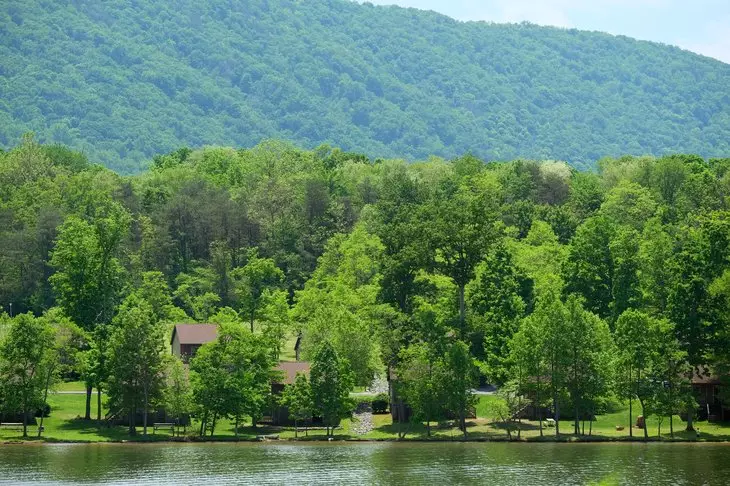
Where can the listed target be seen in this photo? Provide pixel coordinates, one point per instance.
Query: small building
(188, 338)
(288, 371)
(707, 388)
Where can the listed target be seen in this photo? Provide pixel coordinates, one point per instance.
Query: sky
(702, 26)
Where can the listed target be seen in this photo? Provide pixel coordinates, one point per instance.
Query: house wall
(176, 346)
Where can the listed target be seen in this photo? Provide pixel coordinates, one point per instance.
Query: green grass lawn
(65, 424)
(67, 386)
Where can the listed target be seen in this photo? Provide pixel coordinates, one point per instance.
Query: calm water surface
(372, 463)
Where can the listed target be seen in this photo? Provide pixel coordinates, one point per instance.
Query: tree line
(569, 288)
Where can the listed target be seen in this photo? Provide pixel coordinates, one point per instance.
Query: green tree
(529, 363)
(88, 276)
(589, 351)
(419, 386)
(463, 227)
(231, 376)
(626, 288)
(178, 394)
(588, 270)
(136, 361)
(457, 379)
(331, 382)
(550, 321)
(26, 362)
(639, 339)
(297, 397)
(251, 280)
(496, 306)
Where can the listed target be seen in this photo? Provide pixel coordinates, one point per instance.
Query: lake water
(366, 463)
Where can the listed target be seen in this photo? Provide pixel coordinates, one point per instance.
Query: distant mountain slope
(125, 79)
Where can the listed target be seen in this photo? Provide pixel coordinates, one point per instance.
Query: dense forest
(613, 283)
(123, 81)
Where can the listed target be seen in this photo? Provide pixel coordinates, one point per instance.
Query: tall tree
(496, 305)
(589, 270)
(297, 397)
(136, 361)
(457, 378)
(420, 388)
(88, 275)
(251, 280)
(26, 359)
(463, 227)
(177, 394)
(331, 382)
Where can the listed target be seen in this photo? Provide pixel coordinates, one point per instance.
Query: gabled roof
(290, 370)
(704, 376)
(194, 333)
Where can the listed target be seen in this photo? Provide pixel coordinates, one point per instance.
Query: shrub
(380, 403)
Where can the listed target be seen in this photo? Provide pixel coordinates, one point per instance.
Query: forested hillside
(128, 79)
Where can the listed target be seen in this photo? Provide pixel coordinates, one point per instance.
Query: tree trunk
(690, 411)
(539, 407)
(646, 426)
(690, 418)
(631, 406)
(556, 409)
(671, 411)
(253, 312)
(576, 420)
(45, 400)
(590, 424)
(25, 420)
(463, 421)
(144, 413)
(296, 429)
(236, 428)
(87, 415)
(203, 420)
(462, 311)
(212, 424)
(98, 404)
(132, 429)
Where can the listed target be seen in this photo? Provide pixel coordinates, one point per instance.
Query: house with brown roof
(187, 338)
(287, 371)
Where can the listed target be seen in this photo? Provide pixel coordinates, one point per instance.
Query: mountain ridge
(129, 79)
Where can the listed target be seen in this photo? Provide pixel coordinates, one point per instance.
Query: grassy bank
(66, 425)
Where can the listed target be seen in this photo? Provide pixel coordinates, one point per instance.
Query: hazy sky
(702, 26)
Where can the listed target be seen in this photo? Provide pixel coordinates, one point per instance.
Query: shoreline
(320, 441)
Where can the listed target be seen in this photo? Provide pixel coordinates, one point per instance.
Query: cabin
(707, 390)
(188, 338)
(287, 371)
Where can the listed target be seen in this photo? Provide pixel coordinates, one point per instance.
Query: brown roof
(704, 376)
(290, 370)
(195, 333)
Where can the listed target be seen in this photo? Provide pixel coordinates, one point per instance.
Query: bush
(44, 411)
(380, 403)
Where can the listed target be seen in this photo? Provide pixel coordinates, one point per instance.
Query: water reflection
(372, 463)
